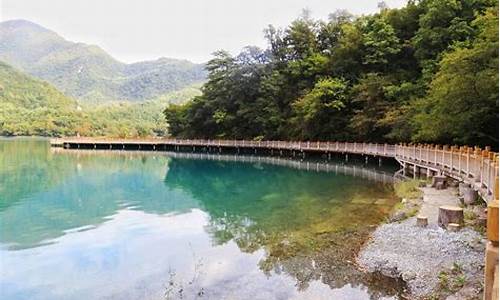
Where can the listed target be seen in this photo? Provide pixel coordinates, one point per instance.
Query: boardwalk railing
(337, 168)
(473, 165)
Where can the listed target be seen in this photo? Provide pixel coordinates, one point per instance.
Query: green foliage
(32, 107)
(380, 42)
(462, 103)
(427, 72)
(88, 73)
(314, 110)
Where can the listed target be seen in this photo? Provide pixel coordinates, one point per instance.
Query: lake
(85, 224)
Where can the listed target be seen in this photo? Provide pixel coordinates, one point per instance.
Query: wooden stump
(439, 182)
(440, 186)
(462, 186)
(454, 227)
(470, 196)
(422, 221)
(450, 214)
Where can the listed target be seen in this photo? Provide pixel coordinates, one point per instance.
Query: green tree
(319, 112)
(462, 103)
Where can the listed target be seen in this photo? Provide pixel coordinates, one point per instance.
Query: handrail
(475, 165)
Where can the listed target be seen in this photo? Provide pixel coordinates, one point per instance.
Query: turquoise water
(130, 225)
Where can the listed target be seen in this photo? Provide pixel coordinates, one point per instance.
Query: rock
(398, 216)
(450, 214)
(422, 221)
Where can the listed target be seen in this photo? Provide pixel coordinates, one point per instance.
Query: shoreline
(433, 262)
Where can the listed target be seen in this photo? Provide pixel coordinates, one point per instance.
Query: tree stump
(439, 182)
(422, 221)
(440, 186)
(462, 186)
(454, 227)
(470, 196)
(450, 214)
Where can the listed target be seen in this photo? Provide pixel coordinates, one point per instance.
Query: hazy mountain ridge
(87, 72)
(30, 106)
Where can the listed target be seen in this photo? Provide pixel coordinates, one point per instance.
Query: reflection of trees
(27, 162)
(51, 193)
(311, 225)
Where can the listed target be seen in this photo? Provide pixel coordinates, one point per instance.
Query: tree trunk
(450, 214)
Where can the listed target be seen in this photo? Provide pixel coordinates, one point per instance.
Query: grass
(408, 189)
(471, 219)
(450, 281)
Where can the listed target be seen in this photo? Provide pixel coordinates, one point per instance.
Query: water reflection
(127, 225)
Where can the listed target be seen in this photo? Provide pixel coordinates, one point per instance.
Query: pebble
(418, 254)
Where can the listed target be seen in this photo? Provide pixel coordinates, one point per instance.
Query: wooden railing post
(467, 149)
(443, 160)
(460, 151)
(451, 157)
(435, 155)
(484, 153)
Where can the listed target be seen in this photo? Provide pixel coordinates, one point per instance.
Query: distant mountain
(30, 106)
(19, 90)
(87, 72)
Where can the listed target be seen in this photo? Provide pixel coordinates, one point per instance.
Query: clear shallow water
(127, 225)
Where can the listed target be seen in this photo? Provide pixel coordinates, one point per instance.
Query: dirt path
(433, 199)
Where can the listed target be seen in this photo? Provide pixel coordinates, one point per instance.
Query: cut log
(440, 186)
(470, 196)
(462, 186)
(454, 227)
(422, 221)
(439, 182)
(450, 214)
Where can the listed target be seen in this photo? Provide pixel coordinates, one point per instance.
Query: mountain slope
(21, 90)
(87, 72)
(30, 106)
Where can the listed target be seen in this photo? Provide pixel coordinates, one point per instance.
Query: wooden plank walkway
(478, 167)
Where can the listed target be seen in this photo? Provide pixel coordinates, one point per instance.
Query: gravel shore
(419, 256)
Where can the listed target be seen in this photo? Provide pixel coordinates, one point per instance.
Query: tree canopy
(426, 72)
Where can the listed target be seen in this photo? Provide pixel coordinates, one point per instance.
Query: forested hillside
(427, 72)
(87, 72)
(30, 106)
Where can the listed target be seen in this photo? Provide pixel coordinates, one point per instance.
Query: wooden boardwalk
(371, 174)
(478, 167)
